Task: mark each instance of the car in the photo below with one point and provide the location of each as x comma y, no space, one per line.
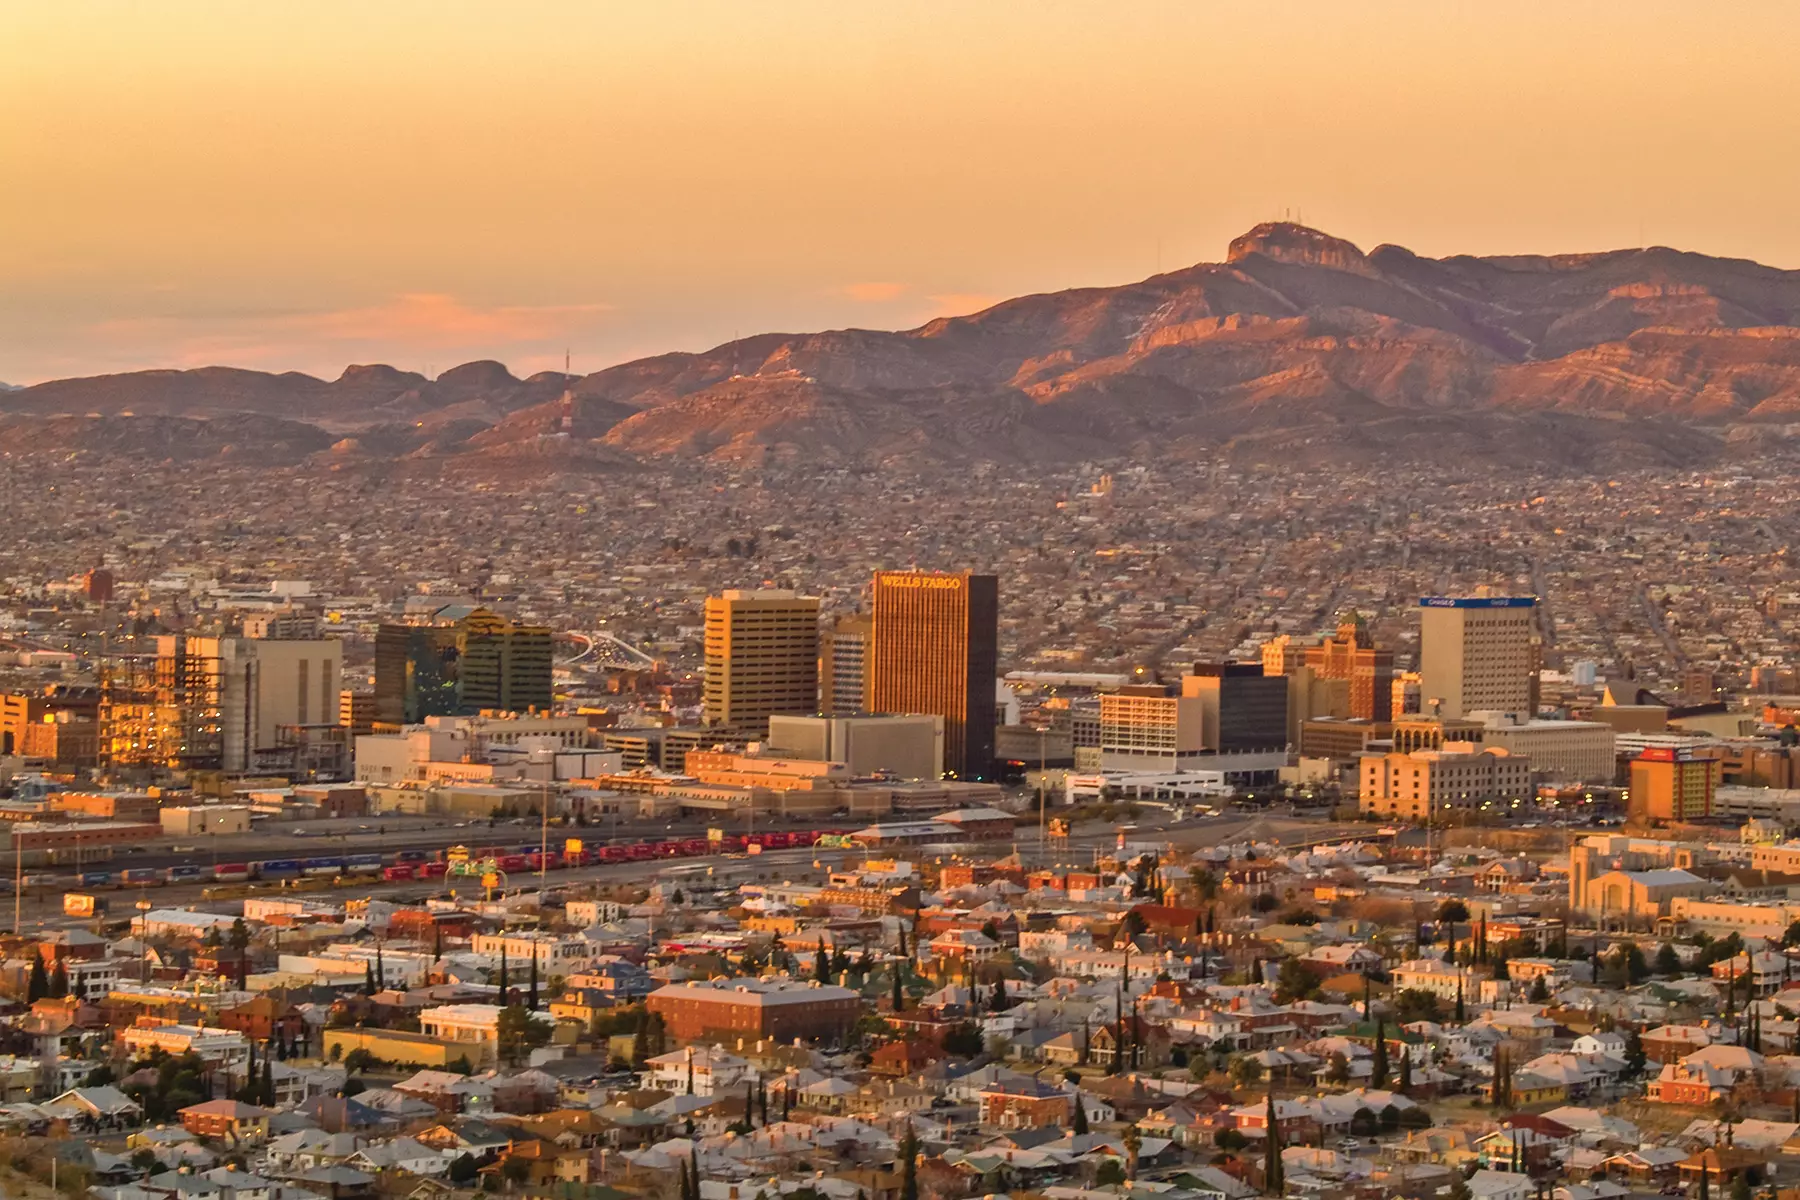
1349,1143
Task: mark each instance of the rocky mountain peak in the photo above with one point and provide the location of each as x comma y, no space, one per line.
1284,241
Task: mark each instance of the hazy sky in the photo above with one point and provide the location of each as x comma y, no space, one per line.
305,185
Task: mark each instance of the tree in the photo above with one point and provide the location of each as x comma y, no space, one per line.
1294,982
1230,1140
1635,1058
518,1032
1405,1072
463,1169
1364,1123
531,992
239,938
1459,1187
358,1061
1416,1004
266,1090
1389,1118
100,1076
1337,1069
37,984
368,978
964,1040
1109,1173
1273,1182
1080,1124
1378,1076
1000,1002
1667,962
640,1039
515,1169
59,981
1245,1071
1740,1187
899,996
1540,991
909,1164
503,974
1460,1017
821,965
1453,912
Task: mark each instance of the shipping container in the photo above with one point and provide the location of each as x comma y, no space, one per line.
231,872
398,872
79,904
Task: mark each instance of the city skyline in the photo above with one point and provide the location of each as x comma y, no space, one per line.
304,191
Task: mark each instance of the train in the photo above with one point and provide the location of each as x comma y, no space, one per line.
402,865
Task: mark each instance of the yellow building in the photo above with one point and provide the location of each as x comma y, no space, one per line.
1460,775
1673,785
762,656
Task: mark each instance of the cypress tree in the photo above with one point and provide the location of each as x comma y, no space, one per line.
1460,1017
37,984
531,994
899,996
437,941
59,981
762,1102
1080,1124
1379,1077
267,1099
502,974
1273,1183
909,1165
380,969
1405,1071
821,965
368,978
1705,1190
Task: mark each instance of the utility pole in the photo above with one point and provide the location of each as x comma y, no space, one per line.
18,878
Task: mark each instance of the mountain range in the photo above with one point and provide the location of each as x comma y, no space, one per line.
1297,347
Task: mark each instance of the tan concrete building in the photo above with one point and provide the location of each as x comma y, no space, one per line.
1573,751
1145,722
1461,775
906,747
1475,653
762,656
206,819
843,666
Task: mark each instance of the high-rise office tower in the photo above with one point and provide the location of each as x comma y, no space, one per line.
1475,655
843,667
934,648
1244,709
1348,654
464,660
762,657
505,666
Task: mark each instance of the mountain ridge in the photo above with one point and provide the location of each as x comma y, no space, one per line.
1298,338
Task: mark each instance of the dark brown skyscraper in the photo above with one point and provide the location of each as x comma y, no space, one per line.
933,650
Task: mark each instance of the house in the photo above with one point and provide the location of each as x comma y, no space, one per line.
1340,960
547,1164
906,1056
696,1071
464,1135
92,1109
1689,1082
1024,1103
227,1120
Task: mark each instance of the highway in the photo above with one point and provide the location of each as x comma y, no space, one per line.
1080,851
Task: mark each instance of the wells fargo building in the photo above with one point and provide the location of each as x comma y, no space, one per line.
933,650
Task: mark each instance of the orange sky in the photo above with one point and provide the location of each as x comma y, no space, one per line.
288,185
